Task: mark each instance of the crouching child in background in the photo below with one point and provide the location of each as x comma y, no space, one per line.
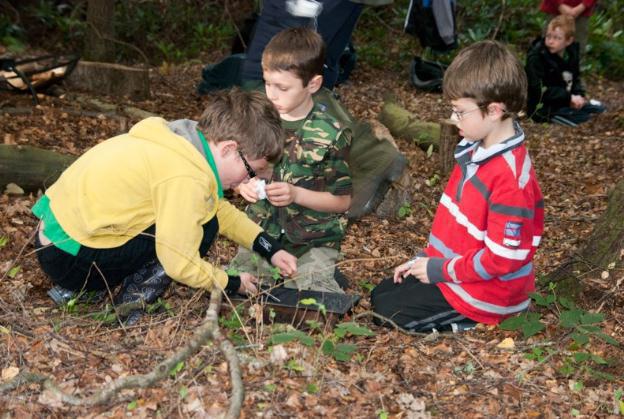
556,93
477,266
310,187
143,208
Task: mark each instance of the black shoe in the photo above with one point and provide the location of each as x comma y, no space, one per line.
144,286
427,75
62,296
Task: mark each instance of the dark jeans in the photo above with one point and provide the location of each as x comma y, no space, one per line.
414,306
94,269
572,117
335,24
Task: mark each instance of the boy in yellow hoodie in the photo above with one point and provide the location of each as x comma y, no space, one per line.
143,208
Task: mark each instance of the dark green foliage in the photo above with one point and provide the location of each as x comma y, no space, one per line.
174,31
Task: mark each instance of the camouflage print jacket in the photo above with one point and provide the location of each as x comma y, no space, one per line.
315,158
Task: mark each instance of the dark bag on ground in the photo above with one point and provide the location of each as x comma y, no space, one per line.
427,75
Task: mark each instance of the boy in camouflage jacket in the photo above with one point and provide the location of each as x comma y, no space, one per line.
310,188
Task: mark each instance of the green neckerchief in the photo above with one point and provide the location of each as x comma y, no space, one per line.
211,163
52,229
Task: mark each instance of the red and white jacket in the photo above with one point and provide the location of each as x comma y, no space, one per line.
486,230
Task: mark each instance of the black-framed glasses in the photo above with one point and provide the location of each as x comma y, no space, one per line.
459,115
250,172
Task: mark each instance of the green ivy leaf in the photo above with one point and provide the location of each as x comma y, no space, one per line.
512,323
344,351
580,338
599,360
570,318
581,357
606,338
567,303
295,335
541,300
328,347
591,318
354,329
532,327
4,240
183,392
132,405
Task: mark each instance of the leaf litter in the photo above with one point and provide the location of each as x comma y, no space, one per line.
482,373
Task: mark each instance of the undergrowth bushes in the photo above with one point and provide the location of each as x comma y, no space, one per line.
177,31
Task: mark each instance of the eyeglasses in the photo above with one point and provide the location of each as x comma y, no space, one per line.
250,172
459,115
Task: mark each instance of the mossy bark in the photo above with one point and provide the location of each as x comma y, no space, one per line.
404,124
31,168
602,248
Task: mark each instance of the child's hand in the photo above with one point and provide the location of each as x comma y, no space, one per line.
577,101
248,284
281,194
248,190
286,262
416,267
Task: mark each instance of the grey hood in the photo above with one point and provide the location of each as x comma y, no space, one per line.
187,128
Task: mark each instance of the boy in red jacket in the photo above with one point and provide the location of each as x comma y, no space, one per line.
477,266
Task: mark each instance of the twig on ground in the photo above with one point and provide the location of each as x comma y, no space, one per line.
208,330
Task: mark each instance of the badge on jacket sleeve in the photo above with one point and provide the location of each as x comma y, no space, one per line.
512,234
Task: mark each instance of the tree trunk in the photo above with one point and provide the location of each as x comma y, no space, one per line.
449,135
602,248
31,168
99,45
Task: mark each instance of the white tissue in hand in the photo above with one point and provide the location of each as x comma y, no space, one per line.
260,189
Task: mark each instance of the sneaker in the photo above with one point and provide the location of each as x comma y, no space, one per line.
60,295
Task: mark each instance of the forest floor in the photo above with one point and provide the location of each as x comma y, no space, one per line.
487,372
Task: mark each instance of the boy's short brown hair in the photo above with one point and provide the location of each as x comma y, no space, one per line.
300,50
248,118
487,72
564,22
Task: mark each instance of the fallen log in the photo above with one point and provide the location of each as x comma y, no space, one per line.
404,124
31,168
442,136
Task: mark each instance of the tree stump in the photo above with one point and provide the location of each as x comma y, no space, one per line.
111,79
449,134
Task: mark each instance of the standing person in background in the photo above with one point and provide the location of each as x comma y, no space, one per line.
580,10
333,19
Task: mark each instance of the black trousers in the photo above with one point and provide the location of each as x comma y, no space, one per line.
335,24
95,269
414,306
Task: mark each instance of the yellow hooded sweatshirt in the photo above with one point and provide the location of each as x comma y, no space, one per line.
149,176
